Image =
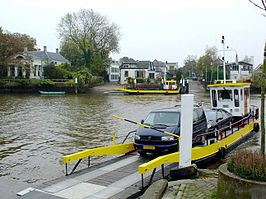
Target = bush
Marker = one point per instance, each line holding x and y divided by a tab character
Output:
2	84
140	80
21	83
130	80
35	82
96	80
249	165
70	83
47	82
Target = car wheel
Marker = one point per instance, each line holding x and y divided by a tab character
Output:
142	153
256	127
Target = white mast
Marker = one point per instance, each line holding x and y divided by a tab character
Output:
224	59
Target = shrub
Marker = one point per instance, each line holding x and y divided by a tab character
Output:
21	83
140	80
249	165
130	80
35	82
47	82
70	83
2	84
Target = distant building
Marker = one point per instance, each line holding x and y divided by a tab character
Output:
137	69
160	68
113	71
30	64
171	68
240	71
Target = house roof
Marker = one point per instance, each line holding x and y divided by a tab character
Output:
157	63
46	55
136	65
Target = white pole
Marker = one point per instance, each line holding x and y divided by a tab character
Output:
224	59
186	130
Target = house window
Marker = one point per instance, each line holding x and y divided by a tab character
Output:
151	75
114	77
114	70
140	74
126	74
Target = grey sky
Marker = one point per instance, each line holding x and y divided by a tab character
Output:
167	30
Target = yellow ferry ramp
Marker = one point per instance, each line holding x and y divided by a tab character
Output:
106	150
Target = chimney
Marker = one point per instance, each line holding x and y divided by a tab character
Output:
45	48
57	51
25	49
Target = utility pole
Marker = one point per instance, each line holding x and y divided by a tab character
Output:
262	149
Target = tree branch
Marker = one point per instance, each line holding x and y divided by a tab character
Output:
260	7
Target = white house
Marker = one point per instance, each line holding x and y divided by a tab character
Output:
240	71
171	68
113	71
137	69
30	64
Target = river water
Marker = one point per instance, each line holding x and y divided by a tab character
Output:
36	131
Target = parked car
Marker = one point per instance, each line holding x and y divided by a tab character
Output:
152	141
218	118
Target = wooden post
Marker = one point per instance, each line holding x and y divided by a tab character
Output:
262	103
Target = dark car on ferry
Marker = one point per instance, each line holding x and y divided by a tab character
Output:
218	119
148	140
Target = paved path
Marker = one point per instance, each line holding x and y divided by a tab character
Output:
199	188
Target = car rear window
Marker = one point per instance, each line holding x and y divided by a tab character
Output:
210	115
166	118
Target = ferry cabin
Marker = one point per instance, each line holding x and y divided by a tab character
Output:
233	97
169	85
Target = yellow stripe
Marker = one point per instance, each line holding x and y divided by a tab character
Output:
229	84
197	152
148	91
107	150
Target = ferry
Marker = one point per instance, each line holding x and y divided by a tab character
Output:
168	87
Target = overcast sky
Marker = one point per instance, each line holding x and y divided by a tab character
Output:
166	30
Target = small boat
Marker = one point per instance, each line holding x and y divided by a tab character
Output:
52	92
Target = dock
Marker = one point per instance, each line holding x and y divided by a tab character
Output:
116	178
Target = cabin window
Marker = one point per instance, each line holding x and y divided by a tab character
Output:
241	94
214	100
224	95
236	97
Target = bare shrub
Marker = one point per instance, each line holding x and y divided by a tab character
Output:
248	164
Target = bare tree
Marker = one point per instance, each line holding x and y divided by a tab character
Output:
90	32
262	6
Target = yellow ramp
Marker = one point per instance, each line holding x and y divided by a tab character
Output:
106	150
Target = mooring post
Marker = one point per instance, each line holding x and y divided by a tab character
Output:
187	101
76	85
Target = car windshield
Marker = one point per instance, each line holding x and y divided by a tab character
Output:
163	118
